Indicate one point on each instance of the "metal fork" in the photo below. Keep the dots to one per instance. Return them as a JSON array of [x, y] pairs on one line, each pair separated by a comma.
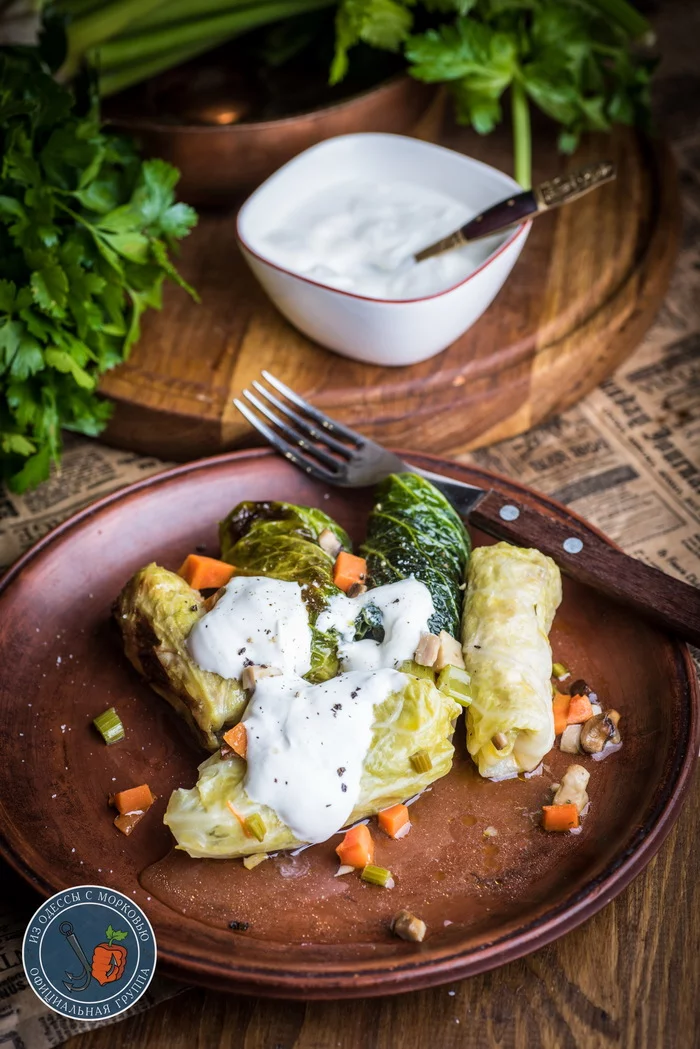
[[335, 454], [328, 450]]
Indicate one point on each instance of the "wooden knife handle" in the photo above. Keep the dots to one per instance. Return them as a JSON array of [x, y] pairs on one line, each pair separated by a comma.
[[671, 604]]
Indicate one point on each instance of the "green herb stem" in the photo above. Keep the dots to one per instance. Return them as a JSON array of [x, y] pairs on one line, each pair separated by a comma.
[[121, 77], [628, 18], [522, 135], [181, 11], [79, 8], [131, 50], [99, 25]]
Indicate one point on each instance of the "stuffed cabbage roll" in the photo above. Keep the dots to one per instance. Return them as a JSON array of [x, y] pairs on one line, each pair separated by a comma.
[[512, 596], [282, 541], [408, 747], [414, 531], [156, 611]]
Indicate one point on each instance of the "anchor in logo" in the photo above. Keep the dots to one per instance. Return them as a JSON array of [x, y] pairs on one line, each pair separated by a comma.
[[108, 959]]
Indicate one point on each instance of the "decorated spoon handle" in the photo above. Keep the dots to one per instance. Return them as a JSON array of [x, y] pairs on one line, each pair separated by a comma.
[[522, 206]]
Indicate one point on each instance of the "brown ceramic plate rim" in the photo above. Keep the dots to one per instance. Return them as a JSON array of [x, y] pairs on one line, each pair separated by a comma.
[[429, 967]]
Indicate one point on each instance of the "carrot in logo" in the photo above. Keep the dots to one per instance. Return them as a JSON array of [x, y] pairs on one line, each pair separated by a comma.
[[109, 959]]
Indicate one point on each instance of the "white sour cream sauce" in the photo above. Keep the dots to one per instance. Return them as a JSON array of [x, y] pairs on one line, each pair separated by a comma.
[[256, 620], [361, 236], [406, 607], [307, 745]]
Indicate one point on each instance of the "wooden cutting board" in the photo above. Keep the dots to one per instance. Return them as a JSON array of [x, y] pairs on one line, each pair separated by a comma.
[[580, 298]]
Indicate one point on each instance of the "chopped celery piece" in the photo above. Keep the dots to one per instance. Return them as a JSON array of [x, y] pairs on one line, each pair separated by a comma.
[[421, 761], [254, 825], [109, 726], [559, 671], [409, 666], [378, 876], [455, 682], [251, 862]]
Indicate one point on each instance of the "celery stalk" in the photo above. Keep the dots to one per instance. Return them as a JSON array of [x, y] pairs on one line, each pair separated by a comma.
[[421, 761], [377, 876], [455, 682], [121, 77], [99, 25], [181, 11], [522, 135], [409, 666], [125, 50]]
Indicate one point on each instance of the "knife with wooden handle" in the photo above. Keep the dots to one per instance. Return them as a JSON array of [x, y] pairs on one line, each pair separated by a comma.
[[668, 602]]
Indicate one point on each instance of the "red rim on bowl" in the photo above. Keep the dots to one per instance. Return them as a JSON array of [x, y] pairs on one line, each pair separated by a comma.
[[190, 952]]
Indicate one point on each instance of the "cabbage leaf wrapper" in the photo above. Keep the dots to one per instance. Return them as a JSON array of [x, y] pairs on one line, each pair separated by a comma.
[[280, 540], [417, 717], [512, 596], [155, 612], [414, 531]]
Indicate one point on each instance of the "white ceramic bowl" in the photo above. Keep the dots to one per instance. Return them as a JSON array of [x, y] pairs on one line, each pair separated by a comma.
[[379, 331]]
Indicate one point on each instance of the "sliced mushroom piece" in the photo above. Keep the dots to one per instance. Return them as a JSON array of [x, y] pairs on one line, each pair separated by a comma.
[[600, 730], [329, 542], [251, 675], [356, 589], [571, 739], [427, 650], [572, 789], [449, 653], [408, 927], [212, 599]]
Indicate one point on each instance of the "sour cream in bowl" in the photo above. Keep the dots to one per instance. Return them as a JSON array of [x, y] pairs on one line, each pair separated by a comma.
[[332, 234]]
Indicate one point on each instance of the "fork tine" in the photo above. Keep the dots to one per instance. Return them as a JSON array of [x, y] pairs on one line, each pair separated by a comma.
[[286, 449], [304, 425], [295, 438], [330, 425]]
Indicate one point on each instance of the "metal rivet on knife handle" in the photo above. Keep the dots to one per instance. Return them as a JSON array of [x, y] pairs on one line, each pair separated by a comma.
[[509, 512], [573, 545]]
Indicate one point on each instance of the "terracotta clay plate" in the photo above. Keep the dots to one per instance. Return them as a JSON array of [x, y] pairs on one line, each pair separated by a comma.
[[485, 899]]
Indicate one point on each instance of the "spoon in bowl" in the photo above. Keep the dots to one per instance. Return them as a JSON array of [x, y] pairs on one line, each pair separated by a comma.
[[524, 206]]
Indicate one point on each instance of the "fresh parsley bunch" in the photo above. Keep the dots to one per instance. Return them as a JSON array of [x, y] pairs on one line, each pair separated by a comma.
[[577, 60], [86, 228]]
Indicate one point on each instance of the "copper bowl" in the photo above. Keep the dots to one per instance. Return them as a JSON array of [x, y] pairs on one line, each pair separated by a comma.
[[202, 128]]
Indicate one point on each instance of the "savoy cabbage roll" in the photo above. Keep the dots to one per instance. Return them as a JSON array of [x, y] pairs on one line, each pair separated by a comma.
[[156, 612], [512, 596], [281, 540], [410, 733], [414, 531]]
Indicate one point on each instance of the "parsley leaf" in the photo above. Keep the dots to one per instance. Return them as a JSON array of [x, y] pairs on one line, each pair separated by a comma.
[[573, 59], [86, 228]]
